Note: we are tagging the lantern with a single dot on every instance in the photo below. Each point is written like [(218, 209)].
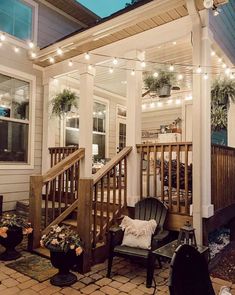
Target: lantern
[(187, 235)]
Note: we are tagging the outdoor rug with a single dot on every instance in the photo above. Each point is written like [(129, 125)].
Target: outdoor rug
[(35, 267)]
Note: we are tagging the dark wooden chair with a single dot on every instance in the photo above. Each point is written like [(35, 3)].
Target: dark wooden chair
[(146, 209), (189, 273)]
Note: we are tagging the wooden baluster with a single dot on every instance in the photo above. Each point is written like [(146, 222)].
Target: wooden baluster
[(114, 193), (51, 154), (101, 209), (66, 187), (148, 171), (162, 173), (72, 184), (120, 188), (141, 172), (178, 178), (125, 183), (59, 193), (53, 198), (170, 178), (108, 200), (94, 214), (155, 171), (46, 206), (186, 180)]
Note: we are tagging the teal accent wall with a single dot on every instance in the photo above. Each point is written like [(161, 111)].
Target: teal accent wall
[(16, 18), (219, 137)]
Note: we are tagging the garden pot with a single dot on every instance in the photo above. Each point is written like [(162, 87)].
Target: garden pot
[(14, 238), (66, 108), (165, 91), (63, 261)]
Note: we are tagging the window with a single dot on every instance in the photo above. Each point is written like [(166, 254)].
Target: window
[(14, 119), (16, 18), (99, 129)]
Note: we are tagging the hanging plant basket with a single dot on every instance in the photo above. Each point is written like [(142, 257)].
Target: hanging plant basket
[(165, 91), (63, 102)]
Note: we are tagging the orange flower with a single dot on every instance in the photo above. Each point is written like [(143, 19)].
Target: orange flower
[(78, 251), (3, 232), (27, 231)]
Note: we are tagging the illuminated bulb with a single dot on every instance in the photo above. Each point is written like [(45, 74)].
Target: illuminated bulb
[(174, 43), (227, 71), (51, 60), (59, 51), (212, 53), (87, 56), (115, 61), (90, 67), (220, 60), (205, 76), (170, 101), (180, 77), (70, 63), (94, 113), (31, 45), (155, 75), (199, 70), (224, 66), (2, 37), (33, 55), (171, 68), (178, 101), (143, 64), (133, 73), (110, 70), (16, 49), (232, 76), (159, 104)]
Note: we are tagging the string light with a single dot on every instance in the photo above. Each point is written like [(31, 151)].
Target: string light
[(224, 66), (205, 76), (174, 43), (115, 61), (16, 49), (227, 71), (33, 54), (110, 70), (155, 74), (90, 67), (2, 37), (31, 45), (212, 53), (133, 73), (51, 60), (87, 56), (232, 76), (171, 68), (180, 77), (143, 64), (219, 59), (59, 51), (199, 70), (70, 63)]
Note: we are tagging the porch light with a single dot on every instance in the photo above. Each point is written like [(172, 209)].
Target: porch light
[(33, 54), (51, 60), (115, 61), (171, 68), (110, 70), (87, 56), (143, 64), (70, 63), (155, 75), (31, 45), (16, 49), (205, 76), (133, 73), (2, 37), (59, 51), (199, 70)]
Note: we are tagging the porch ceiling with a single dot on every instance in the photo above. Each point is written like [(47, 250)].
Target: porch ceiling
[(150, 15)]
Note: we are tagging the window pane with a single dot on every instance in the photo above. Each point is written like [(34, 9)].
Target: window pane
[(14, 142), (16, 18), (100, 140), (14, 97)]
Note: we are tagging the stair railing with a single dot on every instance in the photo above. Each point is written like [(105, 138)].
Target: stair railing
[(58, 187), (57, 154)]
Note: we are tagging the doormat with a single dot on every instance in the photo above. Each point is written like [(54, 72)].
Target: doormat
[(35, 267)]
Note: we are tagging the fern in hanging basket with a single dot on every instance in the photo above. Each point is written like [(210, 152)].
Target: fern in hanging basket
[(219, 117), (63, 102), (223, 92)]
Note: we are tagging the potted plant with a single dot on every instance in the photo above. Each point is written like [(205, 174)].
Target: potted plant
[(162, 84), (12, 229), (223, 92), (219, 124), (64, 245), (63, 102)]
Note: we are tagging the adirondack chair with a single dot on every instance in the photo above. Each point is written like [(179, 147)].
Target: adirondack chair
[(189, 273), (146, 209)]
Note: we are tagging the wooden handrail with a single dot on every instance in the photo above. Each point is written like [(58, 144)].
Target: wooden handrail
[(64, 165), (111, 164), (59, 153)]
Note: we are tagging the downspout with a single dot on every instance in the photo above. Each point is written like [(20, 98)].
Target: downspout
[(197, 155)]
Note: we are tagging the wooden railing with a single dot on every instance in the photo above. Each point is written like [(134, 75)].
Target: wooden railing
[(166, 173), (54, 192), (57, 154), (222, 176)]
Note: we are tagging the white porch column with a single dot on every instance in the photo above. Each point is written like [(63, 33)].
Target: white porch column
[(134, 108), (86, 117)]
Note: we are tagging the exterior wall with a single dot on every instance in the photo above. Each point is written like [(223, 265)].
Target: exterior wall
[(53, 26), (14, 183)]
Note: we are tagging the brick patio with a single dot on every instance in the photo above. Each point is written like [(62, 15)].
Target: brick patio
[(128, 278)]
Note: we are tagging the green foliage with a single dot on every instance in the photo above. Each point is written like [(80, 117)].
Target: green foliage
[(223, 92), (63, 102), (218, 117), (155, 83)]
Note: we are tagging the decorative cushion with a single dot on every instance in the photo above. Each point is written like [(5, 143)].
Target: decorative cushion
[(138, 233)]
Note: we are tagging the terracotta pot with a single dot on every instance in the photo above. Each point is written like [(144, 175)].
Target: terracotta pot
[(14, 238), (63, 261)]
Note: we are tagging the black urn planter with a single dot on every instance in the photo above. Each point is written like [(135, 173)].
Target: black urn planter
[(14, 238), (63, 261)]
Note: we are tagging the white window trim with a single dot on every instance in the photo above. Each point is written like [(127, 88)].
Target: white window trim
[(23, 43), (31, 138)]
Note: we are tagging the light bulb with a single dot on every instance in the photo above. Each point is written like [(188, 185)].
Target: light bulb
[(199, 70), (227, 71), (180, 77), (2, 37), (51, 60), (224, 66), (115, 61), (205, 76), (133, 73), (232, 76), (212, 53), (70, 63), (208, 4), (219, 59), (174, 43), (110, 70), (16, 49), (155, 75), (87, 56), (171, 68), (31, 45), (33, 54), (90, 67), (59, 51), (143, 64)]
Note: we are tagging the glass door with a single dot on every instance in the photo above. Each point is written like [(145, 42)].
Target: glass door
[(121, 134)]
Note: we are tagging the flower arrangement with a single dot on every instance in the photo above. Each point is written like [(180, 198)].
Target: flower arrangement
[(10, 221), (63, 239)]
